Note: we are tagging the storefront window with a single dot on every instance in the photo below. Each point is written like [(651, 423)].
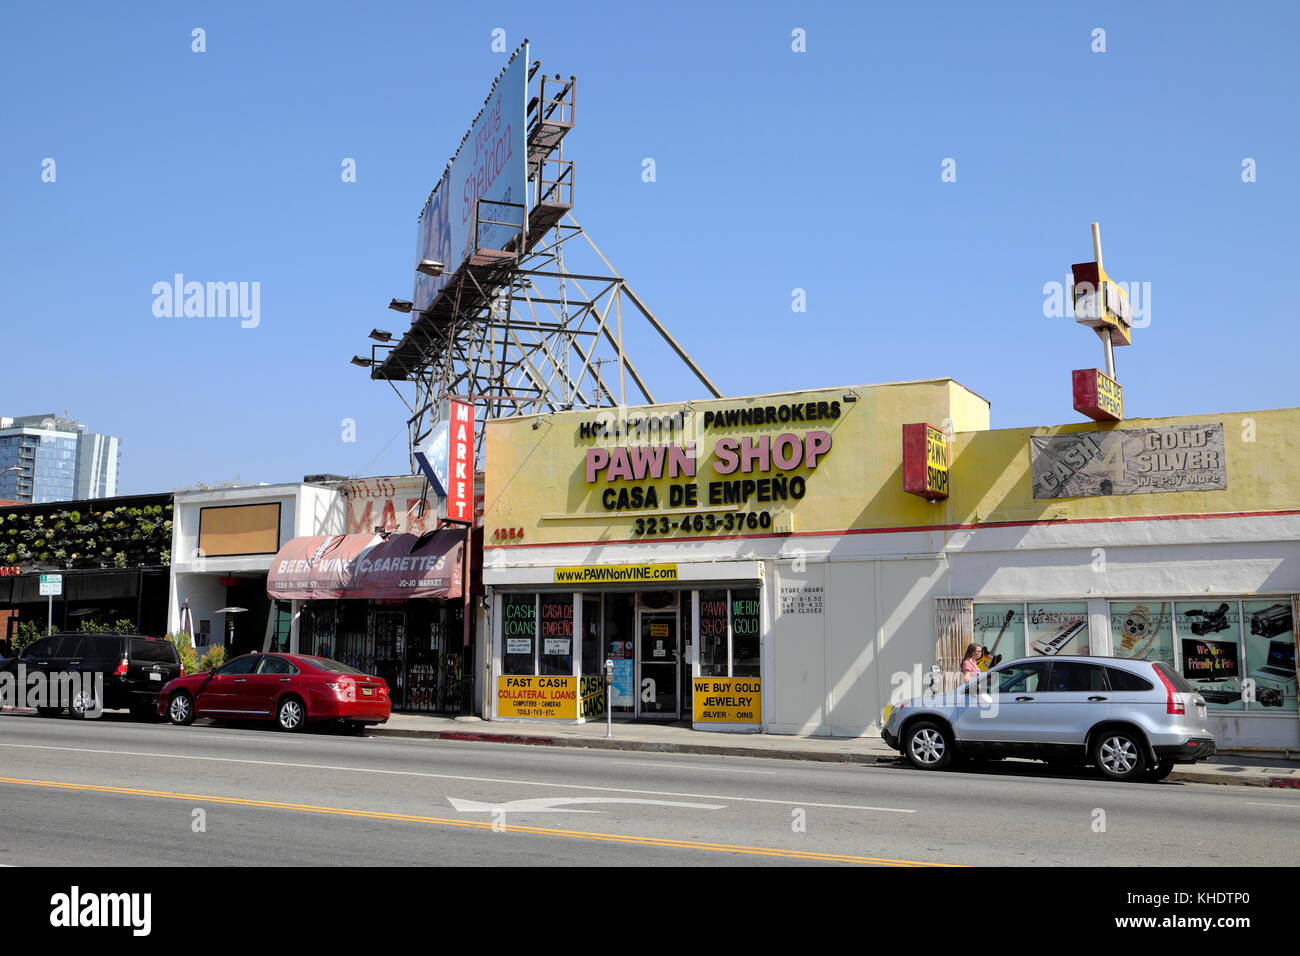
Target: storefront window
[(1000, 629), (1209, 642), (1270, 653), (1060, 628), (620, 619), (592, 662), (1143, 630), (556, 634), (519, 630), (283, 621), (713, 633), (744, 633), (729, 633)]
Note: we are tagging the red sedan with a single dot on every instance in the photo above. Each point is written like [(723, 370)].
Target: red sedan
[(290, 689)]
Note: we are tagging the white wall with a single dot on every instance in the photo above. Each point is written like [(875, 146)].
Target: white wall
[(831, 673)]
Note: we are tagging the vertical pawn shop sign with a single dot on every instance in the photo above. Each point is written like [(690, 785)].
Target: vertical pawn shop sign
[(447, 460), (926, 452)]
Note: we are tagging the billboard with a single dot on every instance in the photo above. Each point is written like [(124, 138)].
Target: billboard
[(1129, 461), (491, 164)]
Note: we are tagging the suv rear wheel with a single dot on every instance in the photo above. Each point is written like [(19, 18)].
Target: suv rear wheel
[(1118, 754), (83, 702), (927, 746)]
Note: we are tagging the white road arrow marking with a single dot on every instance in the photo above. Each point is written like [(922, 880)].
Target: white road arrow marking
[(564, 804)]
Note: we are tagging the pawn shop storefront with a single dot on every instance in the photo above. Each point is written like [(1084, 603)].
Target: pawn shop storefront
[(676, 653), (688, 547), (796, 562)]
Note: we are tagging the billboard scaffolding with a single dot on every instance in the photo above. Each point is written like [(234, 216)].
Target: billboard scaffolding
[(508, 324)]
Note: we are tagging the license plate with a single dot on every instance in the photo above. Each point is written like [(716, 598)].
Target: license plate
[(367, 692), (153, 675)]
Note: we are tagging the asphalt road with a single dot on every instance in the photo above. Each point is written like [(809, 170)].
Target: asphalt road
[(115, 792)]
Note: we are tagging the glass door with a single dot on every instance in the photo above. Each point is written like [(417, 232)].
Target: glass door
[(658, 659)]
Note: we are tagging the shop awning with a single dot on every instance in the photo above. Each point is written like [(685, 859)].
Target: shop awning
[(393, 567)]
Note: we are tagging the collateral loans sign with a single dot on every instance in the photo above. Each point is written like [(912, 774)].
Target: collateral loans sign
[(1129, 461)]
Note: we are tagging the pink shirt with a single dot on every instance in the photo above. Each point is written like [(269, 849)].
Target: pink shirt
[(969, 668)]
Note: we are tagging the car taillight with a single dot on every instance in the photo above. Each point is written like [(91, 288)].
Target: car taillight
[(121, 668), (383, 690), (1173, 703), (344, 687)]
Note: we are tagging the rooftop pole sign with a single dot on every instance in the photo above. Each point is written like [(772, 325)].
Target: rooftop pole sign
[(1101, 304)]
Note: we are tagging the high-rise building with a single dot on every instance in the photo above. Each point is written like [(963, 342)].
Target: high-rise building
[(48, 458)]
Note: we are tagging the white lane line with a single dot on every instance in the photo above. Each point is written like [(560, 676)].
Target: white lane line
[(452, 776), (689, 766), (1289, 806)]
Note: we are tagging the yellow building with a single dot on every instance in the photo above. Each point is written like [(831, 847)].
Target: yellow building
[(756, 563)]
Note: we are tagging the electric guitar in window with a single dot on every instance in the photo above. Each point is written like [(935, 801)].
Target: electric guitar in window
[(991, 658)]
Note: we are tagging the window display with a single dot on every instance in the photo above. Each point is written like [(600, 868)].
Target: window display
[(1209, 645), (1143, 630), (1000, 630), (1270, 653), (1059, 628)]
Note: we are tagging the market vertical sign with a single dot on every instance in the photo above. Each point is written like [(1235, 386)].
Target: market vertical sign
[(1097, 395), (447, 460), (926, 456)]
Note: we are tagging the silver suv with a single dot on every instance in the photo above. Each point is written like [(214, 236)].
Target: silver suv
[(1133, 720)]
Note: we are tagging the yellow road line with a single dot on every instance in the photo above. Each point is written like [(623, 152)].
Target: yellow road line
[(471, 824)]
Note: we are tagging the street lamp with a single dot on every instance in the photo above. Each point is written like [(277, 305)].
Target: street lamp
[(362, 362), (401, 305), (430, 267), (381, 336)]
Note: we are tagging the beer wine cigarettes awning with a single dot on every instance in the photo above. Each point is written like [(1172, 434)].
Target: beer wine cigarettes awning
[(393, 566)]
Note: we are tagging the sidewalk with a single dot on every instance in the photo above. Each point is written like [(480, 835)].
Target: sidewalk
[(680, 738)]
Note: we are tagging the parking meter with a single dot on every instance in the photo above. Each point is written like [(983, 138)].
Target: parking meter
[(609, 698)]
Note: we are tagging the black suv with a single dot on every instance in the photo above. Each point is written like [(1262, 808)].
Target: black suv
[(134, 668)]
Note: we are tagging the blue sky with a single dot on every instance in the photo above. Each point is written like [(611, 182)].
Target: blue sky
[(775, 170)]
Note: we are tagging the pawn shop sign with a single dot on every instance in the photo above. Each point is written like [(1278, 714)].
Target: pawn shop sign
[(447, 460), (926, 453), (1101, 304)]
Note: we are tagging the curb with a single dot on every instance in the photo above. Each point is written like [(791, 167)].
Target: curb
[(645, 746), (1219, 778)]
